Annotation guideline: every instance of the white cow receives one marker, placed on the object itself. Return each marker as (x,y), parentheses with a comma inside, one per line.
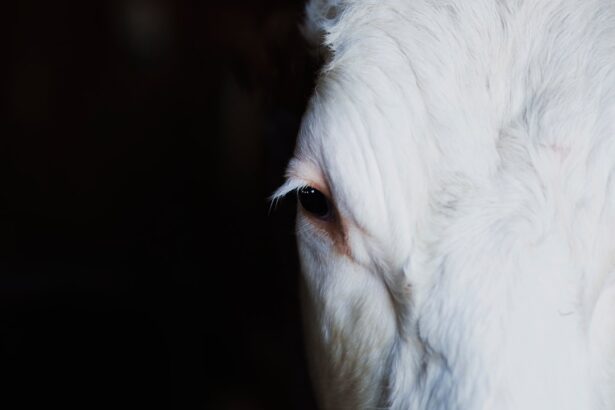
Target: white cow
(456,175)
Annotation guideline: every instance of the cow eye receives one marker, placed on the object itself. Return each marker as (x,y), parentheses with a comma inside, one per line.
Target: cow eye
(313,201)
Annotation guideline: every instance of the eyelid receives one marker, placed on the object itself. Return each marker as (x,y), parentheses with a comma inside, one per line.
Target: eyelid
(294,183)
(309,173)
(319,187)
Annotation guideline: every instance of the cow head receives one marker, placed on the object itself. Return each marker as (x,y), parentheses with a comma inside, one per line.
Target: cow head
(440,269)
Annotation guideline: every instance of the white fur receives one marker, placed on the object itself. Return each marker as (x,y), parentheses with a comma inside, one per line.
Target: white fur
(468,146)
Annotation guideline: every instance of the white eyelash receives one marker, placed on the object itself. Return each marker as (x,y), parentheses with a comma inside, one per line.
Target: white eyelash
(289,186)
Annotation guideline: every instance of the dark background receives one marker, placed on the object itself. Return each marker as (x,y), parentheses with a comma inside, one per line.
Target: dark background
(139,263)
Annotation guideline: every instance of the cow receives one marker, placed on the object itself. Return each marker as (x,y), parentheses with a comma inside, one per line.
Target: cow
(455,176)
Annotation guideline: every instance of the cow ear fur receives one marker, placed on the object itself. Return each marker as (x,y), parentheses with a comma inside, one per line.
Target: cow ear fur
(320,17)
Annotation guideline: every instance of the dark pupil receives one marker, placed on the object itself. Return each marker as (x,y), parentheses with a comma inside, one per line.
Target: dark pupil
(313,201)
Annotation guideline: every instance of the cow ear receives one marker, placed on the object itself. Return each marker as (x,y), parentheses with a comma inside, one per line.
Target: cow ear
(320,17)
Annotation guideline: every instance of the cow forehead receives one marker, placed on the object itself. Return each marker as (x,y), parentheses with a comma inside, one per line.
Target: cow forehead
(387,93)
(408,78)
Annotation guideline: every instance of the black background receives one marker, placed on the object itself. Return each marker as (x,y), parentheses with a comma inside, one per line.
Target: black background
(139,263)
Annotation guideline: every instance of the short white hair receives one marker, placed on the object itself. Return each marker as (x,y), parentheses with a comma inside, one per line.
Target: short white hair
(468,150)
